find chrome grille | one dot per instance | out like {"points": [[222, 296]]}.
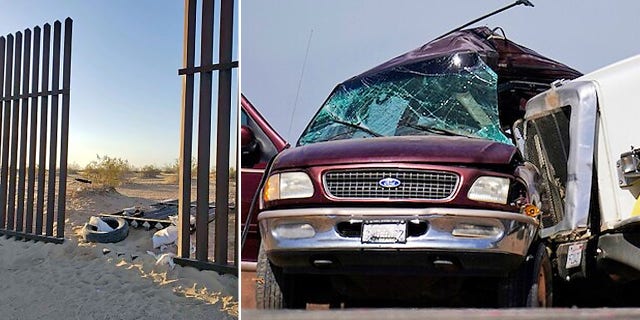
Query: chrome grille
{"points": [[364, 184]]}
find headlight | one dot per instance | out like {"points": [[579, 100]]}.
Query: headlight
{"points": [[490, 189], [272, 188], [288, 185]]}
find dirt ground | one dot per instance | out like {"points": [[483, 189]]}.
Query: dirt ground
{"points": [[83, 201], [248, 290], [79, 280]]}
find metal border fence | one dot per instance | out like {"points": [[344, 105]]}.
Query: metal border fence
{"points": [[206, 70], [35, 131]]}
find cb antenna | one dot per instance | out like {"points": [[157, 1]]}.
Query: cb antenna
{"points": [[516, 3], [304, 64]]}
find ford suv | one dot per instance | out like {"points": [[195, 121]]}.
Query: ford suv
{"points": [[407, 183]]}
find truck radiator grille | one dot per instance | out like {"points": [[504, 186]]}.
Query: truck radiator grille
{"points": [[414, 184]]}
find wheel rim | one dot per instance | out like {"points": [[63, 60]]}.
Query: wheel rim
{"points": [[542, 287]]}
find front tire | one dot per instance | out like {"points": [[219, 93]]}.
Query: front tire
{"points": [[268, 293], [275, 289], [540, 293], [531, 286]]}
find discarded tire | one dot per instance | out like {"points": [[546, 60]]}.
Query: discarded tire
{"points": [[120, 231]]}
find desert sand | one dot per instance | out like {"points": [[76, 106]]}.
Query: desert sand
{"points": [[79, 280]]}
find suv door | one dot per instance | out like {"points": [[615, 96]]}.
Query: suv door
{"points": [[259, 144]]}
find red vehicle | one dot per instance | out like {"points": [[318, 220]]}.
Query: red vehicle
{"points": [[406, 184]]}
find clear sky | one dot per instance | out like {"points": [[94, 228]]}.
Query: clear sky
{"points": [[125, 89], [351, 36]]}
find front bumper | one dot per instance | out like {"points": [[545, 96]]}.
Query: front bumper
{"points": [[619, 254], [434, 247]]}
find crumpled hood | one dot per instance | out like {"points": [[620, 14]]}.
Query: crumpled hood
{"points": [[403, 149]]}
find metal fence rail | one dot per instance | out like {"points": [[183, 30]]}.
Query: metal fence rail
{"points": [[27, 66], [206, 70]]}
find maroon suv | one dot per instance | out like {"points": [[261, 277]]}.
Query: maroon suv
{"points": [[260, 143], [408, 171]]}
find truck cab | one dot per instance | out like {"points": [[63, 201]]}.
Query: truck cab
{"points": [[580, 134]]}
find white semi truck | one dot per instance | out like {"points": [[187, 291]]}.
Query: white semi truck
{"points": [[581, 135]]}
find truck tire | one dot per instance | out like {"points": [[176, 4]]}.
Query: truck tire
{"points": [[531, 286], [277, 290], [119, 232], [268, 293]]}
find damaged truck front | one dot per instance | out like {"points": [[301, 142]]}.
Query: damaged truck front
{"points": [[579, 133], [407, 172]]}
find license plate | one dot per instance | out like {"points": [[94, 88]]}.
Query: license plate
{"points": [[574, 255], [384, 232]]}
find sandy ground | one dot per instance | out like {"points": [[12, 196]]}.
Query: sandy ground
{"points": [[248, 289], [78, 280]]}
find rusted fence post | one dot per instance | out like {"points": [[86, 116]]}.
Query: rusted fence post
{"points": [[206, 70], [25, 62]]}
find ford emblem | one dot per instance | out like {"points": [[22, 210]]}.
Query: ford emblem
{"points": [[389, 182]]}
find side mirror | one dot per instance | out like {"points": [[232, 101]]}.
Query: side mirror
{"points": [[629, 168], [249, 147]]}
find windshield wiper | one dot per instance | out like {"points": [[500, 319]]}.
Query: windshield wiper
{"points": [[356, 126], [435, 130]]}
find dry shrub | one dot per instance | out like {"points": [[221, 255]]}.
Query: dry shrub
{"points": [[72, 168], [91, 190], [149, 172], [108, 171], [171, 178], [172, 170], [232, 174]]}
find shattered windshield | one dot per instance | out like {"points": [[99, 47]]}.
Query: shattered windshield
{"points": [[454, 95]]}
